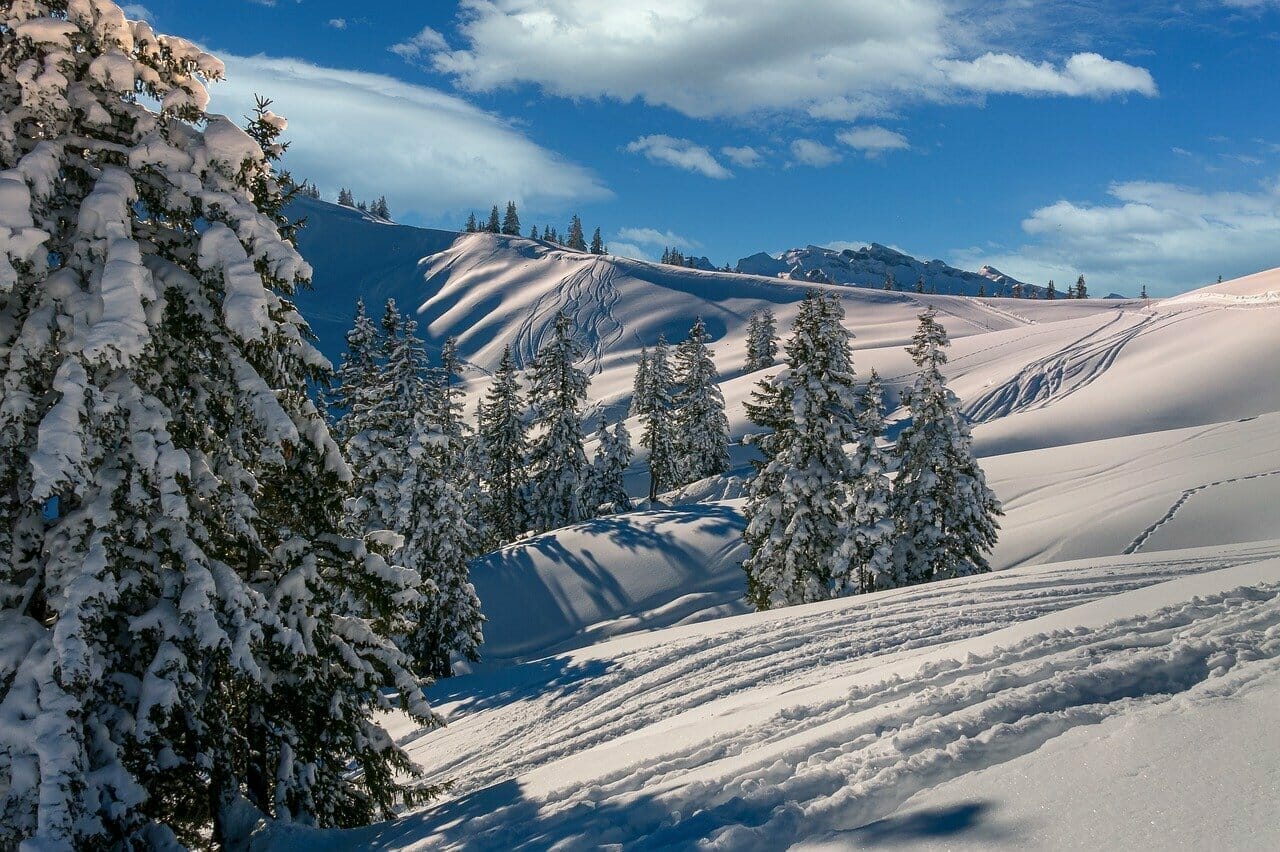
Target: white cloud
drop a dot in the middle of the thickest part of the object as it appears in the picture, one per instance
(807, 152)
(629, 250)
(654, 237)
(1167, 236)
(426, 42)
(429, 152)
(838, 60)
(338, 23)
(744, 157)
(680, 153)
(138, 12)
(1085, 74)
(873, 140)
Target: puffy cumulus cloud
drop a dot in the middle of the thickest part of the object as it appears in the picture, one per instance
(839, 59)
(430, 153)
(680, 153)
(1170, 237)
(1085, 74)
(654, 237)
(744, 157)
(426, 42)
(807, 152)
(873, 140)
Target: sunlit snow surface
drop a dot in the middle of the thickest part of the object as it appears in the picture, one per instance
(1127, 698)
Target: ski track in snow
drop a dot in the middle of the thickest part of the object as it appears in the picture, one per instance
(1072, 368)
(1186, 495)
(588, 296)
(869, 751)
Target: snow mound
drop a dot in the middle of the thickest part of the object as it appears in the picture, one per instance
(1259, 288)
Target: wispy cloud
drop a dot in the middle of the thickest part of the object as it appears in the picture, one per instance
(873, 140)
(807, 152)
(680, 153)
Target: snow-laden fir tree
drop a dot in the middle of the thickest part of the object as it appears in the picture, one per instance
(597, 243)
(511, 221)
(607, 489)
(557, 462)
(866, 560)
(502, 435)
(640, 382)
(345, 197)
(187, 633)
(797, 506)
(380, 208)
(944, 511)
(1082, 289)
(657, 414)
(359, 376)
(471, 226)
(533, 232)
(494, 225)
(576, 239)
(446, 399)
(702, 428)
(762, 340)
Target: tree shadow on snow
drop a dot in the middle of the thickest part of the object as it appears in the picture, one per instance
(971, 819)
(550, 678)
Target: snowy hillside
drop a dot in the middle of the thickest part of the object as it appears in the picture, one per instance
(627, 695)
(870, 265)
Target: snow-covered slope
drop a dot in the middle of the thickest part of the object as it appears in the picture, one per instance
(769, 729)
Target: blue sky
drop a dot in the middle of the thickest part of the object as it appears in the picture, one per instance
(1136, 143)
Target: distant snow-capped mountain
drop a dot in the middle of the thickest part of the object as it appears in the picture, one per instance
(871, 265)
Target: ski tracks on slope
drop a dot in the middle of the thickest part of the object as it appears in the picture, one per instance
(878, 744)
(1072, 368)
(588, 296)
(1186, 495)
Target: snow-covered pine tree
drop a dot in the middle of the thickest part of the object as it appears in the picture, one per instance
(866, 560)
(185, 627)
(533, 232)
(658, 417)
(494, 226)
(641, 383)
(511, 221)
(359, 376)
(944, 512)
(762, 340)
(471, 226)
(1082, 290)
(555, 237)
(345, 197)
(702, 428)
(380, 208)
(608, 489)
(546, 233)
(1050, 291)
(797, 506)
(502, 434)
(557, 462)
(576, 239)
(597, 243)
(920, 284)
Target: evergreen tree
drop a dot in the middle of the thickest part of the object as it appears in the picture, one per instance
(187, 631)
(1143, 295)
(762, 340)
(362, 207)
(666, 255)
(656, 413)
(502, 434)
(493, 226)
(533, 232)
(576, 240)
(945, 514)
(982, 289)
(557, 462)
(511, 221)
(1082, 291)
(597, 243)
(920, 284)
(608, 489)
(546, 234)
(866, 561)
(640, 385)
(797, 507)
(472, 226)
(555, 237)
(345, 198)
(381, 209)
(888, 281)
(1050, 291)
(702, 429)
(359, 377)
